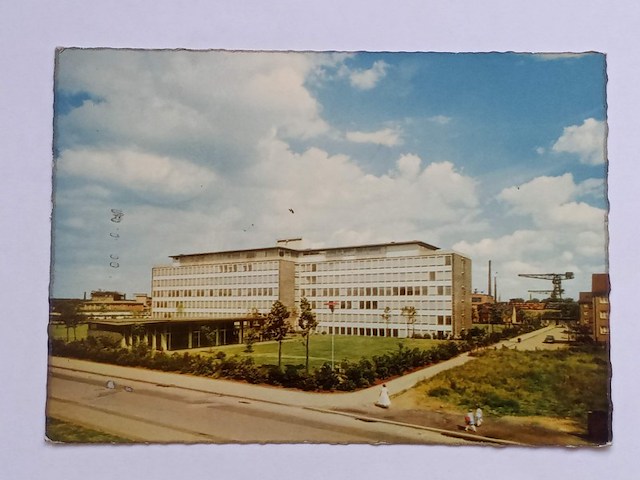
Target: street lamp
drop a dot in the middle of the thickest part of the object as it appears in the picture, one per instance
(332, 306)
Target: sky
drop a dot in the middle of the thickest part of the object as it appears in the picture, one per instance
(498, 156)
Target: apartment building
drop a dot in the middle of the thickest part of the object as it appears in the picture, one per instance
(594, 307)
(390, 289)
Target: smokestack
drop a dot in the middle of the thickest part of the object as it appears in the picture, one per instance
(495, 287)
(489, 289)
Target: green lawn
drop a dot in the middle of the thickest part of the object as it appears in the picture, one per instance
(60, 331)
(554, 383)
(59, 431)
(351, 348)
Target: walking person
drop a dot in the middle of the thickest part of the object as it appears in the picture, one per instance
(479, 418)
(470, 422)
(383, 400)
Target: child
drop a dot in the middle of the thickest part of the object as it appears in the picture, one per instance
(469, 420)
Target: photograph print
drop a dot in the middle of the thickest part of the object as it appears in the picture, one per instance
(329, 247)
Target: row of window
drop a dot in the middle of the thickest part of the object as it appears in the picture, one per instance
(378, 332)
(407, 290)
(375, 305)
(218, 292)
(396, 320)
(208, 307)
(373, 263)
(206, 281)
(379, 277)
(215, 268)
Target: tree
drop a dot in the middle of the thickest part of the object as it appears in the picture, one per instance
(386, 315)
(70, 316)
(277, 327)
(253, 331)
(410, 314)
(211, 336)
(307, 323)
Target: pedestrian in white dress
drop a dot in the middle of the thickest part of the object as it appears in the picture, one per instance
(383, 400)
(479, 416)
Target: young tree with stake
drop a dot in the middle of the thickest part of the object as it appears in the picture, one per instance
(276, 327)
(308, 323)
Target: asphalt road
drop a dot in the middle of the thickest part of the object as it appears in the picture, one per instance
(535, 340)
(158, 413)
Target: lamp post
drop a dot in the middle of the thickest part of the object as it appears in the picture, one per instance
(332, 306)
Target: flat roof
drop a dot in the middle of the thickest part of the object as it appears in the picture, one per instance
(311, 250)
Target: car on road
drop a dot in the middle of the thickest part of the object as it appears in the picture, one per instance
(549, 339)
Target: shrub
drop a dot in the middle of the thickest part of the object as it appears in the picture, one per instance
(326, 378)
(438, 392)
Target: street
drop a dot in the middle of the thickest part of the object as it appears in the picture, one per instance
(158, 413)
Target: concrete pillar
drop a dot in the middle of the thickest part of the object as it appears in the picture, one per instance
(163, 340)
(190, 336)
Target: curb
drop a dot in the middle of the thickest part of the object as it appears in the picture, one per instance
(448, 433)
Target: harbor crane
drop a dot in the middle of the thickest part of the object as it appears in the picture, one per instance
(538, 291)
(556, 279)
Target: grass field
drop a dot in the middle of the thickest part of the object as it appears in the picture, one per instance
(60, 331)
(59, 431)
(558, 383)
(351, 348)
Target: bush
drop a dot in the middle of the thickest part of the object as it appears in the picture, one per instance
(326, 378)
(438, 392)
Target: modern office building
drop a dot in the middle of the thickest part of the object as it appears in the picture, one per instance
(390, 289)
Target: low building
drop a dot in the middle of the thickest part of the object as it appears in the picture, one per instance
(114, 305)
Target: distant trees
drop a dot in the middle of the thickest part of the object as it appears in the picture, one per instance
(307, 323)
(276, 326)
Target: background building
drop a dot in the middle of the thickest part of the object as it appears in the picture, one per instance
(594, 307)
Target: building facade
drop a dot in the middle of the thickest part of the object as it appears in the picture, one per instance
(111, 305)
(594, 307)
(392, 289)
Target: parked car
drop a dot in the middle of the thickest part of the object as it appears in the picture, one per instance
(549, 339)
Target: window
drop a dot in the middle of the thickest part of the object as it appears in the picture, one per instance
(604, 330)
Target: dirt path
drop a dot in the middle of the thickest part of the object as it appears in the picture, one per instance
(534, 431)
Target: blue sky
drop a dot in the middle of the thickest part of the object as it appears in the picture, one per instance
(498, 156)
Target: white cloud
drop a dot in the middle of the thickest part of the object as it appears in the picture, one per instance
(137, 171)
(409, 165)
(559, 56)
(586, 140)
(189, 101)
(337, 202)
(540, 150)
(538, 195)
(367, 79)
(561, 234)
(389, 137)
(591, 187)
(440, 119)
